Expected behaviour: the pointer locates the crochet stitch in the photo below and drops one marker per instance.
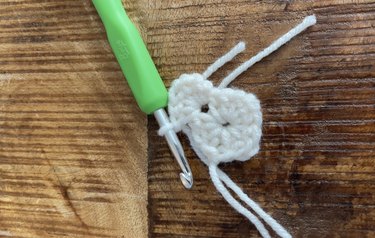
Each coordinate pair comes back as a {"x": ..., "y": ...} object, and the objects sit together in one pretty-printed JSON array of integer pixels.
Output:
[{"x": 224, "y": 124}]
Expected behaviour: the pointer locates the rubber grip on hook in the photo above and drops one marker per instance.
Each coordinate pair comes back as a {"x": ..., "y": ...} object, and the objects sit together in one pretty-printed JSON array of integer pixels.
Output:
[{"x": 133, "y": 56}]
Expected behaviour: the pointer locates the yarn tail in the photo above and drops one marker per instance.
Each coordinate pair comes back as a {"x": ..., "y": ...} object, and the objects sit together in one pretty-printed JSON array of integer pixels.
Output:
[
  {"x": 241, "y": 46},
  {"x": 253, "y": 205},
  {"x": 221, "y": 181},
  {"x": 306, "y": 23}
]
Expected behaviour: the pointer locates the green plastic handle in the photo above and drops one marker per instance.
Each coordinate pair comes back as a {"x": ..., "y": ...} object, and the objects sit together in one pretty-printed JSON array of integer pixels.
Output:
[{"x": 133, "y": 57}]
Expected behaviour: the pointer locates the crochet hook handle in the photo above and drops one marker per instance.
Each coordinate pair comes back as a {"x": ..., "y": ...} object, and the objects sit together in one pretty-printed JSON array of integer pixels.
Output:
[
  {"x": 141, "y": 74},
  {"x": 133, "y": 57}
]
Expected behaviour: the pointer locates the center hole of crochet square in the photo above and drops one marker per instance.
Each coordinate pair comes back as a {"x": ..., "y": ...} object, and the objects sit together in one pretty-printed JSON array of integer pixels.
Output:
[{"x": 205, "y": 108}]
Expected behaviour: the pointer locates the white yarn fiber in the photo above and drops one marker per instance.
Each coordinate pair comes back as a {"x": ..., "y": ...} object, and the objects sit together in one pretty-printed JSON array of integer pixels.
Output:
[{"x": 224, "y": 124}]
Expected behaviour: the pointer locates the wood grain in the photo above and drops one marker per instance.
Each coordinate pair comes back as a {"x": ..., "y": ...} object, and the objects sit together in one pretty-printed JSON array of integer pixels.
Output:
[
  {"x": 316, "y": 169},
  {"x": 72, "y": 141}
]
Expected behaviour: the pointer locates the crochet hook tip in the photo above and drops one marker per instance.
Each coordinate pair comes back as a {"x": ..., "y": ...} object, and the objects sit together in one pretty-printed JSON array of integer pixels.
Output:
[
  {"x": 187, "y": 180},
  {"x": 176, "y": 148}
]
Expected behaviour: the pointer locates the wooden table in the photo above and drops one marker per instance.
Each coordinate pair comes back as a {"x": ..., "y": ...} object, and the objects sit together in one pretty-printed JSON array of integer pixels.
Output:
[
  {"x": 73, "y": 158},
  {"x": 74, "y": 146}
]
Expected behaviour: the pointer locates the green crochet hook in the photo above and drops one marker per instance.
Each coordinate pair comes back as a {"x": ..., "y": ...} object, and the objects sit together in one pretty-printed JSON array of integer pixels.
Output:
[{"x": 141, "y": 73}]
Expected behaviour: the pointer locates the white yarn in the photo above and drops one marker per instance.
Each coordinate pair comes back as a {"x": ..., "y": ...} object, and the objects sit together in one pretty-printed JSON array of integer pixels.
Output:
[
  {"x": 307, "y": 22},
  {"x": 230, "y": 129}
]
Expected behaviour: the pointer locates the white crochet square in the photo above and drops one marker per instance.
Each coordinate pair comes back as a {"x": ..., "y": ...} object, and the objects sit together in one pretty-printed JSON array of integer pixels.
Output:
[{"x": 231, "y": 127}]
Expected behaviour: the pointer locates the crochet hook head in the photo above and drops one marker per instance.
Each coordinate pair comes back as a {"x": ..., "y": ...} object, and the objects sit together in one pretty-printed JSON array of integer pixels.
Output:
[
  {"x": 176, "y": 148},
  {"x": 140, "y": 72}
]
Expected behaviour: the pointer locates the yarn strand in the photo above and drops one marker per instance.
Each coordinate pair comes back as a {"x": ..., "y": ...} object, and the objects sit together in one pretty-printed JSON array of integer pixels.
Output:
[
  {"x": 253, "y": 205},
  {"x": 234, "y": 203},
  {"x": 224, "y": 59},
  {"x": 307, "y": 22}
]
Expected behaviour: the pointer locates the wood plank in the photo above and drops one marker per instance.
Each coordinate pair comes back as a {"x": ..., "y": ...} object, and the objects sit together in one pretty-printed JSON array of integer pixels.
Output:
[
  {"x": 315, "y": 172},
  {"x": 72, "y": 141}
]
